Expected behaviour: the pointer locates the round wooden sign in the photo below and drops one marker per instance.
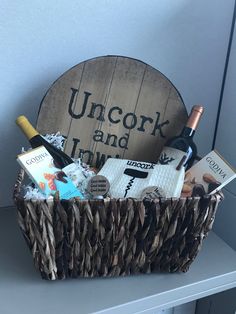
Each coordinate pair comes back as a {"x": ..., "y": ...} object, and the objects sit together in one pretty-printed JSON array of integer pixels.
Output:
[{"x": 113, "y": 106}]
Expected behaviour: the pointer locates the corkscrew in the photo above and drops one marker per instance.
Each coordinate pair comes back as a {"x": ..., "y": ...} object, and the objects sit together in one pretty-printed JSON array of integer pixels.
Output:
[{"x": 134, "y": 174}]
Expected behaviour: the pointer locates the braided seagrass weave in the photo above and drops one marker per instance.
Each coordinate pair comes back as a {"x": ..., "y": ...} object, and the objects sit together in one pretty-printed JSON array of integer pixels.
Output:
[{"x": 114, "y": 237}]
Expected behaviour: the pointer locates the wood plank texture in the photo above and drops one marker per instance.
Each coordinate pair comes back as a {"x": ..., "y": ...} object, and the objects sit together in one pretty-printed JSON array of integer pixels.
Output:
[
  {"x": 121, "y": 104},
  {"x": 89, "y": 112},
  {"x": 53, "y": 113},
  {"x": 113, "y": 106}
]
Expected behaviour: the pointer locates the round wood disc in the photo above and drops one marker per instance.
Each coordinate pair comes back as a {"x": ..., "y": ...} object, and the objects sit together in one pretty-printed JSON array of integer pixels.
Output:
[
  {"x": 113, "y": 106},
  {"x": 98, "y": 186}
]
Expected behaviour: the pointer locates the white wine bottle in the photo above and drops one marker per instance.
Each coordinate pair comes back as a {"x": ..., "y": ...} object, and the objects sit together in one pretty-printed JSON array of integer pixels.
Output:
[
  {"x": 61, "y": 159},
  {"x": 182, "y": 147}
]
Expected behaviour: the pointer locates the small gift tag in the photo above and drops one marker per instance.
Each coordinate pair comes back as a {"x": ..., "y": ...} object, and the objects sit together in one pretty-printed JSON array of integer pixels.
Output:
[{"x": 98, "y": 186}]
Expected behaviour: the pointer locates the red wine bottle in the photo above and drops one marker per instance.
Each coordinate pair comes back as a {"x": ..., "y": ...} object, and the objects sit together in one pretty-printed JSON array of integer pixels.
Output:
[
  {"x": 182, "y": 147},
  {"x": 60, "y": 159}
]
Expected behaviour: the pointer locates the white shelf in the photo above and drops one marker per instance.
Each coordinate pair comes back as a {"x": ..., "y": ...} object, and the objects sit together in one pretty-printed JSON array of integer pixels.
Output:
[{"x": 23, "y": 291}]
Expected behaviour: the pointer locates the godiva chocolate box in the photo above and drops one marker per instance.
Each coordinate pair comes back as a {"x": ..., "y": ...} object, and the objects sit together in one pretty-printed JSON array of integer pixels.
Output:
[
  {"x": 208, "y": 176},
  {"x": 38, "y": 163}
]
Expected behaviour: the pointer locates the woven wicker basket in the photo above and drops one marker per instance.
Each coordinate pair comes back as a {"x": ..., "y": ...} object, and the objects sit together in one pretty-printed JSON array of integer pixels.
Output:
[
  {"x": 114, "y": 238},
  {"x": 118, "y": 236}
]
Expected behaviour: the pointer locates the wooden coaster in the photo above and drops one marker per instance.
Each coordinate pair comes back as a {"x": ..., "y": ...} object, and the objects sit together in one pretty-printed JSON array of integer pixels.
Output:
[
  {"x": 98, "y": 186},
  {"x": 152, "y": 192}
]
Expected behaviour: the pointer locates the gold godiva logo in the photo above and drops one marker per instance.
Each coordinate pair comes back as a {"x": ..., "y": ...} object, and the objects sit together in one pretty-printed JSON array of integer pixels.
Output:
[{"x": 36, "y": 159}]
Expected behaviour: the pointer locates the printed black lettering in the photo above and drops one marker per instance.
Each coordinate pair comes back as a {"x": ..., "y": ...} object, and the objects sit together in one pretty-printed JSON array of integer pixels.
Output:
[
  {"x": 98, "y": 136},
  {"x": 75, "y": 143},
  {"x": 140, "y": 165},
  {"x": 93, "y": 109},
  {"x": 123, "y": 141},
  {"x": 70, "y": 110},
  {"x": 222, "y": 173},
  {"x": 109, "y": 137},
  {"x": 133, "y": 121},
  {"x": 158, "y": 126},
  {"x": 143, "y": 121},
  {"x": 110, "y": 113},
  {"x": 100, "y": 160},
  {"x": 86, "y": 153},
  {"x": 129, "y": 162}
]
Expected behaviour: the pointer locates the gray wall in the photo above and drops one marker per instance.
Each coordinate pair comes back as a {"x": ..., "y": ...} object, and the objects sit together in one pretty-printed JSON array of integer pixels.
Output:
[
  {"x": 225, "y": 302},
  {"x": 185, "y": 39},
  {"x": 226, "y": 143}
]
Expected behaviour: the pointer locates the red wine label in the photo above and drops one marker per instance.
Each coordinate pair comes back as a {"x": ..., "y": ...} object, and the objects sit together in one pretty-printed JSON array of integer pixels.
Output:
[{"x": 171, "y": 156}]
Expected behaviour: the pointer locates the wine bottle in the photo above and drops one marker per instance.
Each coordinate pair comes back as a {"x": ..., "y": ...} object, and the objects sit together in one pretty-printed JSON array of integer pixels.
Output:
[
  {"x": 60, "y": 159},
  {"x": 182, "y": 147}
]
